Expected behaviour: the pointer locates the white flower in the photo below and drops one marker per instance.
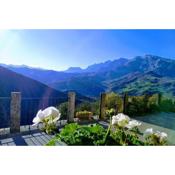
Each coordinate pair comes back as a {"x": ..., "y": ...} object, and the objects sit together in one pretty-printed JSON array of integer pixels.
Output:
[
  {"x": 162, "y": 135},
  {"x": 132, "y": 124},
  {"x": 50, "y": 111},
  {"x": 120, "y": 119},
  {"x": 148, "y": 132},
  {"x": 39, "y": 117}
]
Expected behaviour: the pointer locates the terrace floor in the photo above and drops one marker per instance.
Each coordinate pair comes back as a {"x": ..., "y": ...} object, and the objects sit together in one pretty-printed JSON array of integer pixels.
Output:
[
  {"x": 163, "y": 122},
  {"x": 31, "y": 138}
]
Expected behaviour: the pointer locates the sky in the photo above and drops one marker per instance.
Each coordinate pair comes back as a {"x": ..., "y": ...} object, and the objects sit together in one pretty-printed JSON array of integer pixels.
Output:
[{"x": 61, "y": 49}]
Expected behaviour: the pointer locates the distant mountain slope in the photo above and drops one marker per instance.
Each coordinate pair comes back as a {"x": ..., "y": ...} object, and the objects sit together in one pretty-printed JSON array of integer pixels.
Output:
[
  {"x": 11, "y": 81},
  {"x": 74, "y": 70},
  {"x": 42, "y": 75},
  {"x": 107, "y": 76},
  {"x": 121, "y": 76},
  {"x": 146, "y": 83},
  {"x": 87, "y": 84},
  {"x": 106, "y": 66}
]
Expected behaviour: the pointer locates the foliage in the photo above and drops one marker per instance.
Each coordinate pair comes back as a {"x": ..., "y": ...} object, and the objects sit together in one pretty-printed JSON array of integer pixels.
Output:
[
  {"x": 95, "y": 107},
  {"x": 63, "y": 108},
  {"x": 167, "y": 105},
  {"x": 141, "y": 105},
  {"x": 84, "y": 106},
  {"x": 110, "y": 112},
  {"x": 74, "y": 134},
  {"x": 136, "y": 105},
  {"x": 87, "y": 106},
  {"x": 48, "y": 125},
  {"x": 114, "y": 101},
  {"x": 122, "y": 137},
  {"x": 155, "y": 138},
  {"x": 84, "y": 115}
]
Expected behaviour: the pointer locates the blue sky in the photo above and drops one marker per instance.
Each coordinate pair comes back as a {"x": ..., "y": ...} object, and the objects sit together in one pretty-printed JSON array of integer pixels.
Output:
[{"x": 60, "y": 49}]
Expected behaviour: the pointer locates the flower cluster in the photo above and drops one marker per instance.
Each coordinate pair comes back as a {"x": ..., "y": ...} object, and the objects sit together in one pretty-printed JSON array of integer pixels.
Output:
[
  {"x": 50, "y": 113},
  {"x": 48, "y": 117},
  {"x": 123, "y": 121},
  {"x": 155, "y": 137}
]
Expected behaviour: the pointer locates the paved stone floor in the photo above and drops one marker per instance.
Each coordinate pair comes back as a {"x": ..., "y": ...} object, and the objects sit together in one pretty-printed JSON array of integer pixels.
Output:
[{"x": 31, "y": 138}]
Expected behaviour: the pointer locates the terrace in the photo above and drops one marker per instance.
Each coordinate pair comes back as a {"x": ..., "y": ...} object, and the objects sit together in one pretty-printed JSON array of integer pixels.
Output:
[
  {"x": 17, "y": 128},
  {"x": 20, "y": 134}
]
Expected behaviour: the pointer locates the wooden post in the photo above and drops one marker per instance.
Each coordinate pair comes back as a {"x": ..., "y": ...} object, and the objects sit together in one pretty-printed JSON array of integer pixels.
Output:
[
  {"x": 71, "y": 106},
  {"x": 15, "y": 112},
  {"x": 102, "y": 106},
  {"x": 125, "y": 102}
]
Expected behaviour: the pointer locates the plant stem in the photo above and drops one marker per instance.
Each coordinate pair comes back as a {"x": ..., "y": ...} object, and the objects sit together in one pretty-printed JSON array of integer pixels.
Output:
[{"x": 107, "y": 133}]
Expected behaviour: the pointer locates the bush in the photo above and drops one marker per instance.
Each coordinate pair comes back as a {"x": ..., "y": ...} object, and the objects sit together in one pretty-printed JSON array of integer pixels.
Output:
[
  {"x": 87, "y": 106},
  {"x": 141, "y": 105},
  {"x": 167, "y": 105},
  {"x": 114, "y": 101},
  {"x": 63, "y": 108},
  {"x": 95, "y": 107},
  {"x": 110, "y": 112},
  {"x": 84, "y": 106},
  {"x": 74, "y": 134},
  {"x": 84, "y": 115}
]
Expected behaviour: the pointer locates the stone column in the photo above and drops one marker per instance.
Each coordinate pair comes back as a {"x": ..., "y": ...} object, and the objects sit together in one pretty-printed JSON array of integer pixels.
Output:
[
  {"x": 102, "y": 106},
  {"x": 71, "y": 106},
  {"x": 15, "y": 112}
]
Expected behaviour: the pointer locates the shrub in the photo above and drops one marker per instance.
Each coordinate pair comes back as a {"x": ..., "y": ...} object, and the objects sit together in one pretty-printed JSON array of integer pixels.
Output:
[
  {"x": 110, "y": 112},
  {"x": 84, "y": 106},
  {"x": 167, "y": 105},
  {"x": 95, "y": 107},
  {"x": 114, "y": 101},
  {"x": 74, "y": 134},
  {"x": 87, "y": 106},
  {"x": 63, "y": 108},
  {"x": 141, "y": 105},
  {"x": 84, "y": 115}
]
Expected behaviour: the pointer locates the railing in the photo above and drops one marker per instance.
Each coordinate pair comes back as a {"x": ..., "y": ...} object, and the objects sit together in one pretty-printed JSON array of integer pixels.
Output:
[
  {"x": 17, "y": 111},
  {"x": 4, "y": 112},
  {"x": 30, "y": 106}
]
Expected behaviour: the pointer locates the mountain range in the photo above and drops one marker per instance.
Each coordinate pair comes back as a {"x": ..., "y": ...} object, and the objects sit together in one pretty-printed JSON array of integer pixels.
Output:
[
  {"x": 139, "y": 75},
  {"x": 35, "y": 95}
]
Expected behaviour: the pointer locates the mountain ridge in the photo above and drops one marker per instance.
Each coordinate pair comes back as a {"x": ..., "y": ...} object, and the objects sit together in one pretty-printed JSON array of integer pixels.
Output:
[{"x": 101, "y": 77}]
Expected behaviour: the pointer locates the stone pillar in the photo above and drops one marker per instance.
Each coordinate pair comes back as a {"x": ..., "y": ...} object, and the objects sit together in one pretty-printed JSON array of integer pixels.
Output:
[
  {"x": 71, "y": 106},
  {"x": 102, "y": 106},
  {"x": 15, "y": 112}
]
